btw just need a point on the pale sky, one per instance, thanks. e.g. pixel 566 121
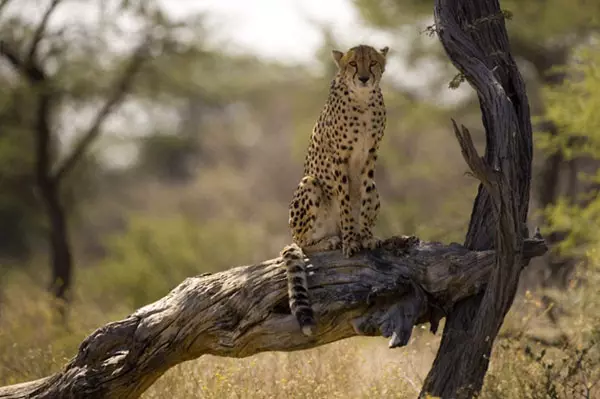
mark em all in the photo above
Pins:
pixel 278 29
pixel 284 30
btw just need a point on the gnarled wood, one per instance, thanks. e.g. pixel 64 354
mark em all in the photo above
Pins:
pixel 474 36
pixel 243 311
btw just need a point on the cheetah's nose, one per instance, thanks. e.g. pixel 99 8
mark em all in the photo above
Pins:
pixel 363 79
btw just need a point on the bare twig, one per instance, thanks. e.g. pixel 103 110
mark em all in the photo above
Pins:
pixel 38 35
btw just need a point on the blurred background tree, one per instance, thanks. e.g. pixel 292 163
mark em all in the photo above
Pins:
pixel 58 74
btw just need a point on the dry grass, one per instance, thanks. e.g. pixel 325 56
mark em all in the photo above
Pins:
pixel 33 345
pixel 355 368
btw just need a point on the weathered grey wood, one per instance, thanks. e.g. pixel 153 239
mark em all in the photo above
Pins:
pixel 243 311
pixel 474 37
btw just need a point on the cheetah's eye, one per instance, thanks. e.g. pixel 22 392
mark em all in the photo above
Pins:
pixel 352 63
pixel 373 63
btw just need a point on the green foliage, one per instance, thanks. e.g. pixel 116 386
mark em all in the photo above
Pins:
pixel 456 81
pixel 581 223
pixel 573 107
pixel 84 66
pixel 153 255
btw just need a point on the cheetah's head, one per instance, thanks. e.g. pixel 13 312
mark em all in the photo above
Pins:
pixel 362 66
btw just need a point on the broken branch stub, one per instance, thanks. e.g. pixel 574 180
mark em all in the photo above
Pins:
pixel 244 311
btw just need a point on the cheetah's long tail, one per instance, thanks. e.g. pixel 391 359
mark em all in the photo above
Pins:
pixel 300 305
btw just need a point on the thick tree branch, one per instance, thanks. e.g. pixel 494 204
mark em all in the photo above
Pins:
pixel 30 71
pixel 244 311
pixel 120 89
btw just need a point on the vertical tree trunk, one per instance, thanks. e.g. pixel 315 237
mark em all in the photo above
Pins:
pixel 61 258
pixel 475 38
pixel 49 188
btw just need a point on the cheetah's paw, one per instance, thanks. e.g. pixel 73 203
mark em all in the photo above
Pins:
pixel 334 243
pixel 350 248
pixel 371 243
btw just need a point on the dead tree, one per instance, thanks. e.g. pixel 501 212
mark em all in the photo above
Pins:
pixel 244 311
pixel 474 36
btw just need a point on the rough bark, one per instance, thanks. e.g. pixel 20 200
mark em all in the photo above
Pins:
pixel 475 39
pixel 244 311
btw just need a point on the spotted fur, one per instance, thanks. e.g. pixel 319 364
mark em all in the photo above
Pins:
pixel 336 203
pixel 298 288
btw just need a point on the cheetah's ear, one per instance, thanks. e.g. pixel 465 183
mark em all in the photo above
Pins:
pixel 337 56
pixel 384 51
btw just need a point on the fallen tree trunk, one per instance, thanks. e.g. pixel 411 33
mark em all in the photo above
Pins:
pixel 244 311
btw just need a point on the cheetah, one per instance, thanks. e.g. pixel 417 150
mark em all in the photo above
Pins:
pixel 336 203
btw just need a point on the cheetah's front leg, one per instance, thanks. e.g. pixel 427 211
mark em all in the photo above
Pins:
pixel 369 204
pixel 350 240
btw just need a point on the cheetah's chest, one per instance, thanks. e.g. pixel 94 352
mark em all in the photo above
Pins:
pixel 364 138
pixel 363 141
